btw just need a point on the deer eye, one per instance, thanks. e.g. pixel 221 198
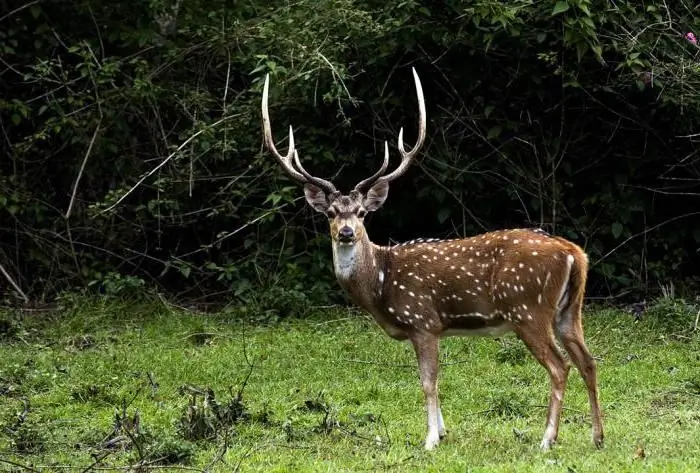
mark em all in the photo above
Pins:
pixel 330 213
pixel 361 213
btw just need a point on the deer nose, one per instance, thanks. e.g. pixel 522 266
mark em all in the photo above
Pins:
pixel 346 233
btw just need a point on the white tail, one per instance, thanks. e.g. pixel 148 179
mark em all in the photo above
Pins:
pixel 521 280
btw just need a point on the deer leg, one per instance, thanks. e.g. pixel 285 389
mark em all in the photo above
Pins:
pixel 570 333
pixel 442 431
pixel 543 347
pixel 426 348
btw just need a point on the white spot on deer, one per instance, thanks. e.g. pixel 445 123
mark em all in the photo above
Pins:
pixel 534 253
pixel 410 274
pixel 516 241
pixel 406 312
pixel 539 281
pixel 524 306
pixel 381 277
pixel 410 293
pixel 539 298
pixel 521 265
pixel 391 310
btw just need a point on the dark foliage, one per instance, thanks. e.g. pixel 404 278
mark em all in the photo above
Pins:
pixel 131 144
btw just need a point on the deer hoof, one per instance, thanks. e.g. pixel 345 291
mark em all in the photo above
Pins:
pixel 546 444
pixel 432 440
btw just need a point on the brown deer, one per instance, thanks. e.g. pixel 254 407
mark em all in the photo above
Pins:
pixel 521 280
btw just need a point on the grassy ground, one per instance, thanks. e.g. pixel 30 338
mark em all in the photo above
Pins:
pixel 109 384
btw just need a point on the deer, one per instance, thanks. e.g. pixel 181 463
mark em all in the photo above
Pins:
pixel 522 280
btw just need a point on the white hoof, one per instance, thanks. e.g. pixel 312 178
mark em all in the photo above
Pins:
pixel 432 440
pixel 546 444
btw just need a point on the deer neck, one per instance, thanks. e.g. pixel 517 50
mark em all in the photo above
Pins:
pixel 359 270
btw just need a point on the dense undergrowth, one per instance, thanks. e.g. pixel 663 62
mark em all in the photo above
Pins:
pixel 131 142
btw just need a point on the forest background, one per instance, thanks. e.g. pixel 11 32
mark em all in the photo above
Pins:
pixel 132 158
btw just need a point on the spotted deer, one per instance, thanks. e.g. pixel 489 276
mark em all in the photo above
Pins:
pixel 521 280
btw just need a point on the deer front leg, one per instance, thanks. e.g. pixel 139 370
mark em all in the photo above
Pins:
pixel 426 348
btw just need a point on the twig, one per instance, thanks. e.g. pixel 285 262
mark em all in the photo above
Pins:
pixel 644 232
pixel 82 168
pixel 19 9
pixel 19 465
pixel 13 283
pixel 400 365
pixel 97 461
pixel 697 319
pixel 166 160
pixel 366 362
pixel 134 467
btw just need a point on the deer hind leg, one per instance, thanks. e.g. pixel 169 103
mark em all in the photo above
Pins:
pixel 543 347
pixel 426 346
pixel 570 332
pixel 442 430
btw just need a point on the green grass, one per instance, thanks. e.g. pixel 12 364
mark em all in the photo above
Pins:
pixel 331 393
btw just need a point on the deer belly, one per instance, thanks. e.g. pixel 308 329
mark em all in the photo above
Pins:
pixel 463 325
pixel 493 331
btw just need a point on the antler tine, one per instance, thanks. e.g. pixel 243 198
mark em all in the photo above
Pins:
pixel 285 161
pixel 407 157
pixel 322 183
pixel 365 184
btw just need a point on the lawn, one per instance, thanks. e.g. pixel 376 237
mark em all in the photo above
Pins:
pixel 104 385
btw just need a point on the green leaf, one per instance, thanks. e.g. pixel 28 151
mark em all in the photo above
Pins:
pixel 494 132
pixel 443 214
pixel 616 229
pixel 696 235
pixel 560 7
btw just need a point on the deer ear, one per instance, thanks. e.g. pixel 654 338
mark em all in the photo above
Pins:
pixel 316 198
pixel 376 196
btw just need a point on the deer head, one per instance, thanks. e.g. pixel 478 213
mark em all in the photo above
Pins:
pixel 345 213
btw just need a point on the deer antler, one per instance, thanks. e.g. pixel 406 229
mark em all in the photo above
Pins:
pixel 406 157
pixel 363 185
pixel 300 174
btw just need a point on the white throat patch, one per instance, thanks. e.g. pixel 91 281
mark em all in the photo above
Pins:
pixel 344 259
